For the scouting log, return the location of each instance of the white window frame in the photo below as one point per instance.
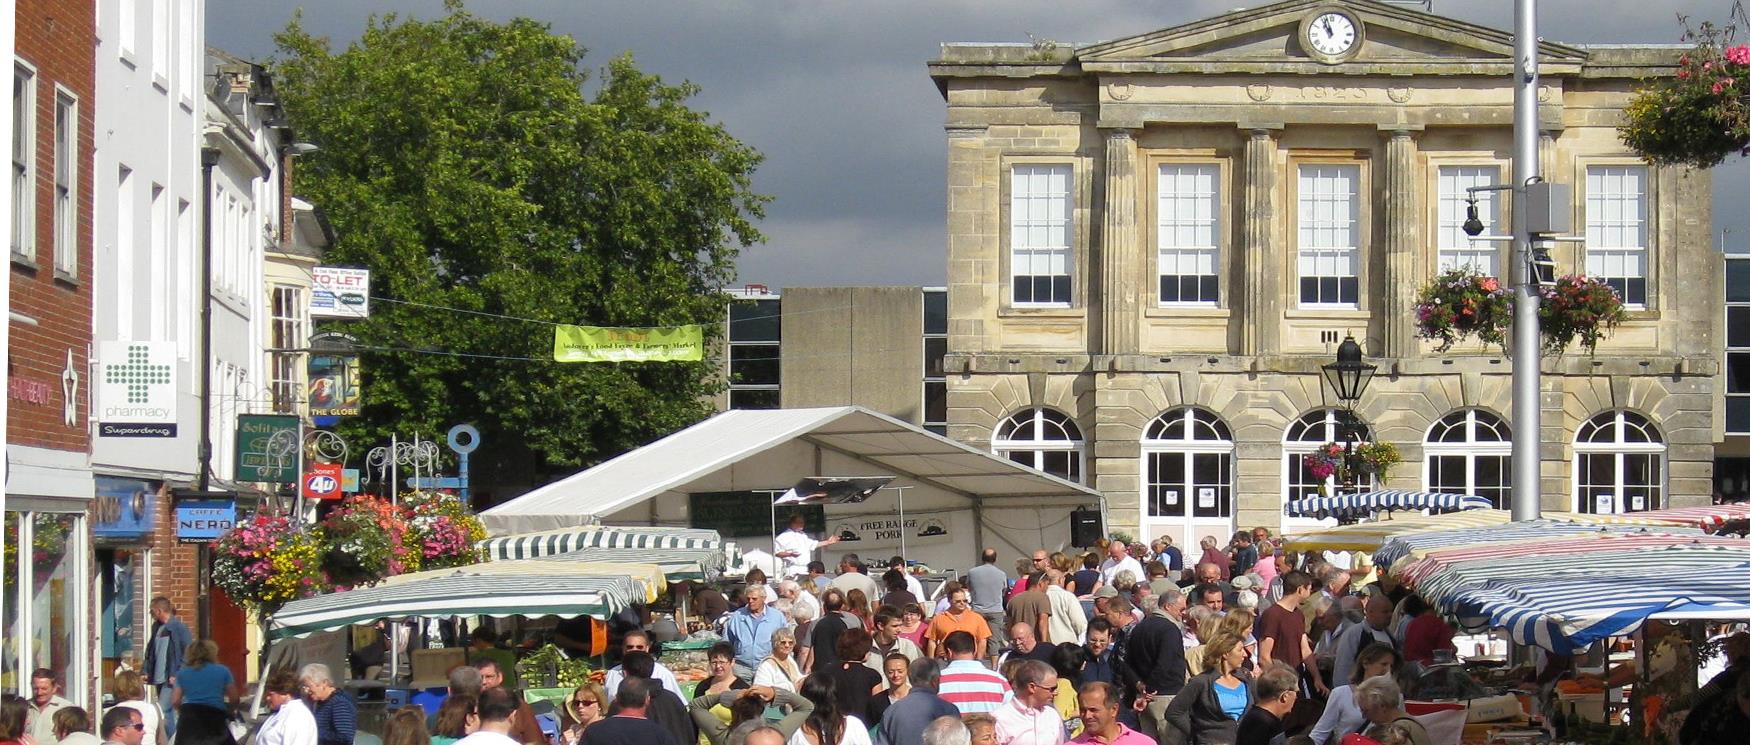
(1031, 452)
(1453, 247)
(1042, 231)
(1616, 241)
(1320, 251)
(1295, 448)
(24, 162)
(66, 185)
(1470, 449)
(1188, 449)
(1188, 231)
(290, 335)
(1618, 450)
(129, 31)
(160, 54)
(186, 80)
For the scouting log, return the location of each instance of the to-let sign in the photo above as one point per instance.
(323, 481)
(340, 292)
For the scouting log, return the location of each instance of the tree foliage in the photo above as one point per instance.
(476, 165)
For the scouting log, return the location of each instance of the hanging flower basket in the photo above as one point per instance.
(268, 560)
(1699, 116)
(367, 540)
(442, 530)
(1578, 308)
(1374, 459)
(1462, 303)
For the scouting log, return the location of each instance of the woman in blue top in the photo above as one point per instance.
(205, 693)
(1207, 710)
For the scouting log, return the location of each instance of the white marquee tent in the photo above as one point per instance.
(957, 499)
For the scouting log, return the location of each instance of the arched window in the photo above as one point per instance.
(1305, 435)
(1470, 452)
(1619, 464)
(1044, 439)
(1187, 457)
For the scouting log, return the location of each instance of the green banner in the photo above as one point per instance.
(602, 344)
(267, 448)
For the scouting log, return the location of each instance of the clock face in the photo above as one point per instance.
(1331, 34)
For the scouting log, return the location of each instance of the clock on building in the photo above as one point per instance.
(1331, 35)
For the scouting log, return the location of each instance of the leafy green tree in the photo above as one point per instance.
(475, 165)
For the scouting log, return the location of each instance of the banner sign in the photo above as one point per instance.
(204, 520)
(881, 531)
(323, 481)
(136, 389)
(603, 344)
(339, 292)
(123, 510)
(267, 448)
(334, 384)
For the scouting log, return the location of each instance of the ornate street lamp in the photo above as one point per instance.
(1349, 377)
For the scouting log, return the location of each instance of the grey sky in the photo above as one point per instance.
(835, 94)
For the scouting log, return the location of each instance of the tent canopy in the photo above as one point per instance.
(954, 497)
(1371, 536)
(567, 540)
(1386, 500)
(498, 589)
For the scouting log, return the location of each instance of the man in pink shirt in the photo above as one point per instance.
(1028, 718)
(1100, 725)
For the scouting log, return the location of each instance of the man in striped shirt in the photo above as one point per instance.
(967, 683)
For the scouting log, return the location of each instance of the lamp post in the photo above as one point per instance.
(1348, 377)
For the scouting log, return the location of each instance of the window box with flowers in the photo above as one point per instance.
(1462, 303)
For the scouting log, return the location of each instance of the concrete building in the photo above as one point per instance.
(1155, 242)
(877, 347)
(147, 212)
(48, 618)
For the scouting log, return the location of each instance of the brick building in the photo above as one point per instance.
(49, 488)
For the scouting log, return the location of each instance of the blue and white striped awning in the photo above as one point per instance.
(677, 564)
(1568, 612)
(1368, 503)
(548, 543)
(534, 589)
(1403, 546)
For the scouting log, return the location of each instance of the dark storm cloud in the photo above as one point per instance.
(836, 96)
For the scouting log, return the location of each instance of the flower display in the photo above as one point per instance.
(1324, 462)
(1367, 459)
(367, 540)
(1462, 303)
(442, 529)
(268, 560)
(1697, 117)
(1578, 307)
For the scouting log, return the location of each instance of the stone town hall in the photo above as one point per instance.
(1155, 242)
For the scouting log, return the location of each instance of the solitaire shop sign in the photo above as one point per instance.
(323, 481)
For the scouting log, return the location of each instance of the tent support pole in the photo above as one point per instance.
(978, 526)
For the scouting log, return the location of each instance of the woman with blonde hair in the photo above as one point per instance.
(857, 604)
(205, 693)
(1239, 622)
(583, 707)
(1207, 710)
(130, 691)
(779, 670)
(406, 727)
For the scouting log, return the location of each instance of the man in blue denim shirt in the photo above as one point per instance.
(164, 653)
(750, 630)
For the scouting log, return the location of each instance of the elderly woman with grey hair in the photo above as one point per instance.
(336, 714)
(1382, 703)
(781, 670)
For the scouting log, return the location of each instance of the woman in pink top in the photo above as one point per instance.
(912, 626)
(1266, 566)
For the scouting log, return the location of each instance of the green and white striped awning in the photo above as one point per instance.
(548, 543)
(498, 589)
(677, 564)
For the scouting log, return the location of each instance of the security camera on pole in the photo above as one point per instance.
(1541, 211)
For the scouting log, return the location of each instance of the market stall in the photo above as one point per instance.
(1369, 504)
(1370, 536)
(1417, 545)
(567, 540)
(677, 564)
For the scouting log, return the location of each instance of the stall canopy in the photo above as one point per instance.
(975, 496)
(1371, 536)
(1416, 545)
(677, 564)
(1710, 518)
(568, 540)
(498, 589)
(1370, 503)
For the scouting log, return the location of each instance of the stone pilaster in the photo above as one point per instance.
(1121, 264)
(1403, 245)
(1260, 293)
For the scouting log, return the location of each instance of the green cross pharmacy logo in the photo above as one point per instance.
(137, 373)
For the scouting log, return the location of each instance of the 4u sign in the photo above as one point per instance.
(323, 481)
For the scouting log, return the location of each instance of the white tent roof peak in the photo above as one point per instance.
(675, 463)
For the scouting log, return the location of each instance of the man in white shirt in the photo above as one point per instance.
(791, 590)
(1028, 718)
(638, 641)
(1068, 623)
(1118, 559)
(912, 585)
(796, 548)
(495, 707)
